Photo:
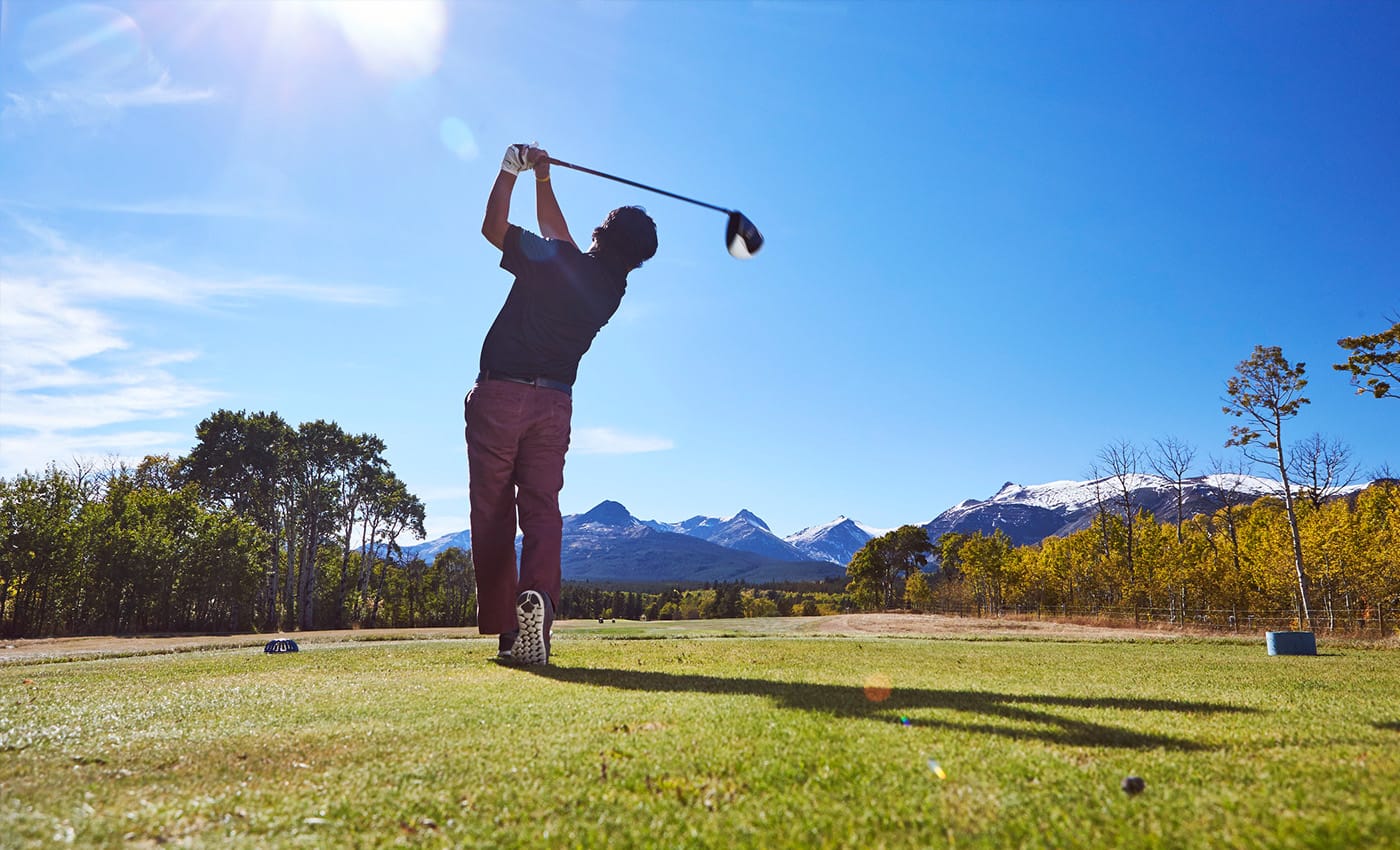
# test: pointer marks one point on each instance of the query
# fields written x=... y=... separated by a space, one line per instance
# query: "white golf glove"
x=517 y=158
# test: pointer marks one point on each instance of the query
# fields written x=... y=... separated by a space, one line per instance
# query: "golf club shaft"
x=560 y=162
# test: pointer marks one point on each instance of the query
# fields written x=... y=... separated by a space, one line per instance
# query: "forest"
x=262 y=526
x=1232 y=569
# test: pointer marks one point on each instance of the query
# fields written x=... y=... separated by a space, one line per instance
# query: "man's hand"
x=538 y=159
x=518 y=158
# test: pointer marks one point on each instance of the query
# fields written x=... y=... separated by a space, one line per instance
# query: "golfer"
x=519 y=411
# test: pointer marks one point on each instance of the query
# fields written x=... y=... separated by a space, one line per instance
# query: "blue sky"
x=1000 y=235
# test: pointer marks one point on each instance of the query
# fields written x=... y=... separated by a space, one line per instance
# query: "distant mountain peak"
x=834 y=541
x=608 y=512
x=748 y=516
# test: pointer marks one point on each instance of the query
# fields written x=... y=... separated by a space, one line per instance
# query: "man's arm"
x=517 y=159
x=552 y=223
x=497 y=220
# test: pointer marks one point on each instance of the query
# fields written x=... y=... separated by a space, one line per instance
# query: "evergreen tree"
x=1266 y=391
x=1374 y=358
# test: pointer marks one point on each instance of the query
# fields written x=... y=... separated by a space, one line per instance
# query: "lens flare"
x=878 y=687
x=457 y=137
x=86 y=46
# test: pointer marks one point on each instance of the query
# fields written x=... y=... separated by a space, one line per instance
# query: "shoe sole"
x=529 y=645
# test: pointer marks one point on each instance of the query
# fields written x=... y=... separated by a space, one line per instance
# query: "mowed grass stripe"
x=714 y=742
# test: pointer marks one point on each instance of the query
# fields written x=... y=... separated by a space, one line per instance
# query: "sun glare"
x=392 y=38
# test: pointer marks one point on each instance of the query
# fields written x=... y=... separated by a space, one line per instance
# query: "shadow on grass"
x=1389 y=725
x=989 y=711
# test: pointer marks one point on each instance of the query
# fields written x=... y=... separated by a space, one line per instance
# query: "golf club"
x=740 y=236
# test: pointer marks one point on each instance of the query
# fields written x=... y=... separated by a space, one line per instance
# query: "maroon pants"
x=516 y=439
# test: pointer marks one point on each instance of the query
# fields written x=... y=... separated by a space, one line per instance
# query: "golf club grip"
x=614 y=177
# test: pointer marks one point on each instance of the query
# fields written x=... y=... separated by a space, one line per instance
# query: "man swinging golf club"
x=518 y=413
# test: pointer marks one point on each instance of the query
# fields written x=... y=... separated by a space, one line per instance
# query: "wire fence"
x=1375 y=621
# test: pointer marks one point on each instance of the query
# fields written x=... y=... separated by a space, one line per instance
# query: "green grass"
x=748 y=741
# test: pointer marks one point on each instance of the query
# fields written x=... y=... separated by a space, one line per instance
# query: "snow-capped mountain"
x=835 y=541
x=608 y=544
x=743 y=531
x=1029 y=514
x=429 y=550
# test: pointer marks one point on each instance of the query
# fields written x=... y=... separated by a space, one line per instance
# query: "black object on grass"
x=1133 y=785
x=281 y=645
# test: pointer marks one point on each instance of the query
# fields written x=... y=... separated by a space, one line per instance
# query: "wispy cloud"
x=186 y=207
x=86 y=106
x=164 y=207
x=72 y=380
x=36 y=451
x=610 y=441
x=70 y=276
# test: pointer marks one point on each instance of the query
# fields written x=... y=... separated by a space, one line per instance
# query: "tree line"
x=261 y=526
x=724 y=600
x=121 y=551
x=1230 y=568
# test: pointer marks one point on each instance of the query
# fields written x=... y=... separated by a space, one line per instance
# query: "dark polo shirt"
x=561 y=298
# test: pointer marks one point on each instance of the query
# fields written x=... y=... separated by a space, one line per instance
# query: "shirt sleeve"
x=523 y=251
x=511 y=259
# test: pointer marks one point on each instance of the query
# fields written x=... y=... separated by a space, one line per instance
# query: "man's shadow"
x=984 y=708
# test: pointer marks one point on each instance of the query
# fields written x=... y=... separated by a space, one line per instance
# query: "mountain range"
x=1029 y=514
x=609 y=544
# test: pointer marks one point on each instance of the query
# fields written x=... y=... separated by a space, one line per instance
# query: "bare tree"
x=1321 y=467
x=1265 y=391
x=1227 y=491
x=1123 y=460
x=1172 y=459
x=1101 y=505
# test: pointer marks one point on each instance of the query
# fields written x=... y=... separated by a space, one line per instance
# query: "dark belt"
x=543 y=383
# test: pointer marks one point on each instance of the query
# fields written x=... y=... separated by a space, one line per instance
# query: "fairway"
x=755 y=740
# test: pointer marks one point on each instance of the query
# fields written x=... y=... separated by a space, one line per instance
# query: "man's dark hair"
x=626 y=238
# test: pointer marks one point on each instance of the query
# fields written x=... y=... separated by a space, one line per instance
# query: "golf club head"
x=741 y=236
